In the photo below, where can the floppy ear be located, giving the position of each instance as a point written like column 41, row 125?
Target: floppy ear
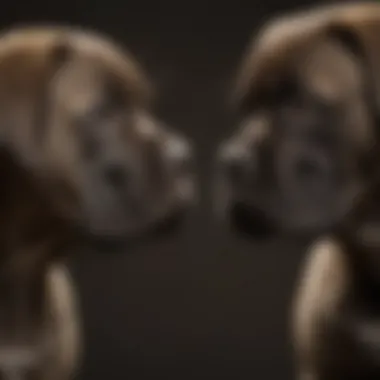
column 273, row 54
column 277, row 48
column 362, row 37
column 60, row 54
column 357, row 28
column 25, row 75
column 26, row 71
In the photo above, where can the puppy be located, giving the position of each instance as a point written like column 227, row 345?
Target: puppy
column 81, row 156
column 302, row 86
column 305, row 162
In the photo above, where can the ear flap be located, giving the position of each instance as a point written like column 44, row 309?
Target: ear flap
column 60, row 53
column 273, row 54
column 27, row 67
column 362, row 38
column 280, row 42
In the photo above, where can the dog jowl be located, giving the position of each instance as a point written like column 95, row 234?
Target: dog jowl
column 303, row 153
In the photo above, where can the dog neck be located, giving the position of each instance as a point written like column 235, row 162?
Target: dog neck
column 31, row 237
column 27, row 219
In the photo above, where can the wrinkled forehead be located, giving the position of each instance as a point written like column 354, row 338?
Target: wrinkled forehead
column 329, row 83
column 91, row 67
column 83, row 84
column 306, row 54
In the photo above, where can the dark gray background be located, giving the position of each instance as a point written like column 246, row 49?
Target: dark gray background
column 205, row 305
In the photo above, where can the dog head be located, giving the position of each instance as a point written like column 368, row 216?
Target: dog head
column 75, row 113
column 308, row 97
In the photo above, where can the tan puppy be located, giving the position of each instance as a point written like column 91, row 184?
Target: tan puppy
column 80, row 155
column 306, row 162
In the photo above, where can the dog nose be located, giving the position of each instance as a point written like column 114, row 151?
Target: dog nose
column 234, row 162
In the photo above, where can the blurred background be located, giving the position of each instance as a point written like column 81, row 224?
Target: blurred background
column 205, row 304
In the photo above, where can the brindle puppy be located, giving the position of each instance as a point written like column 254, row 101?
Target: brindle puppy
column 304, row 162
column 81, row 156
